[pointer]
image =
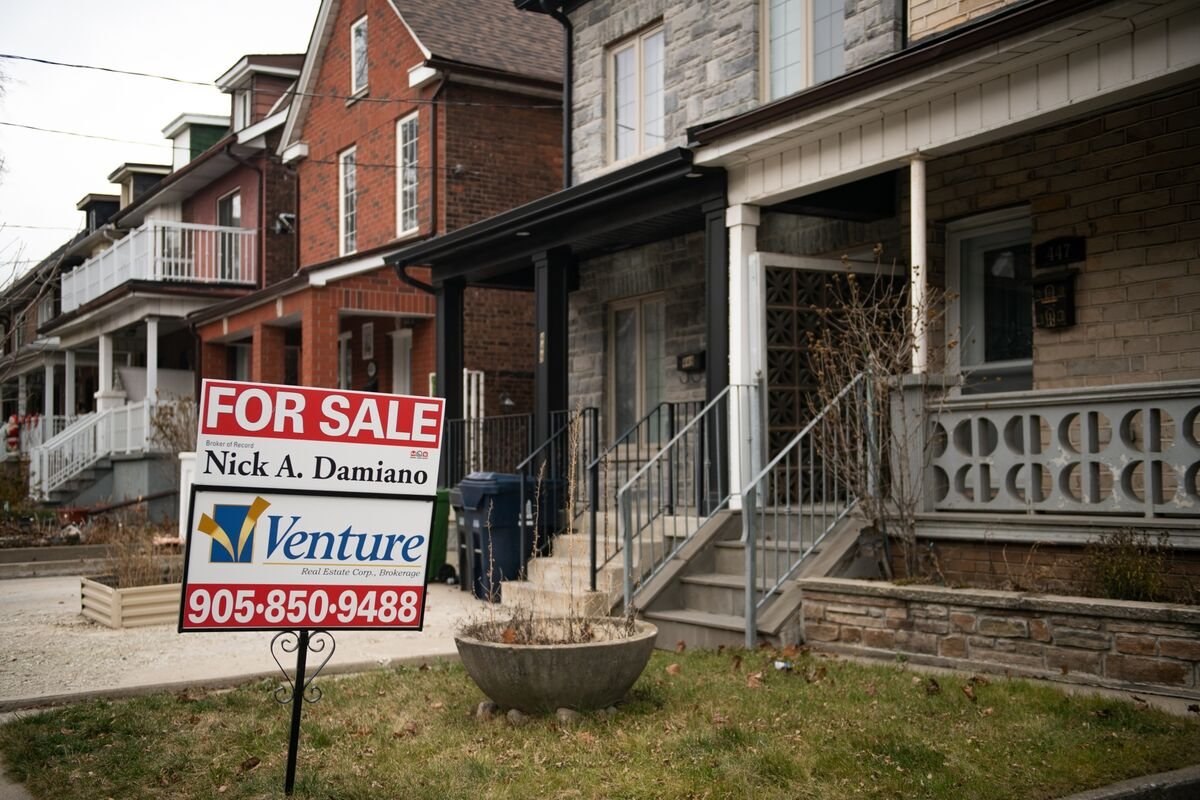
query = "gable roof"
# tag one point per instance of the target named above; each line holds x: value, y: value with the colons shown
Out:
x: 485, y: 34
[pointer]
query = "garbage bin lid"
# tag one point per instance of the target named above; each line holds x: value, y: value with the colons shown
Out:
x: 478, y: 485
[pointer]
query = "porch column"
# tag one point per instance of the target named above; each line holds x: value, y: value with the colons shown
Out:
x: 107, y: 397
x: 48, y: 394
x: 69, y: 385
x: 449, y: 333
x: 918, y: 260
x: 22, y: 400
x: 551, y: 303
x: 151, y: 359
x: 745, y: 351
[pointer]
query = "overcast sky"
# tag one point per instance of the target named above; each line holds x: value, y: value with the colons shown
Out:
x: 46, y: 174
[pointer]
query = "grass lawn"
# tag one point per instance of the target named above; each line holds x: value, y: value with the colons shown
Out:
x: 697, y: 724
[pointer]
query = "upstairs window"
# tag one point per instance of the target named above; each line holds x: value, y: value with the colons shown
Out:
x: 408, y: 175
x: 636, y: 71
x: 804, y: 43
x: 358, y: 56
x: 348, y: 201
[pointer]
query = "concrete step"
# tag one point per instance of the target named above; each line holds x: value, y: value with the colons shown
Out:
x: 771, y: 560
x: 697, y: 629
x: 560, y: 572
x: 550, y: 602
x: 717, y: 592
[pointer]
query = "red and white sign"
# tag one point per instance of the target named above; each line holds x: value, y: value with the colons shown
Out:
x: 312, y: 508
x: 317, y: 440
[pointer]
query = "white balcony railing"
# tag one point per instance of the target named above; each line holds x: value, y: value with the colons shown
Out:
x: 165, y: 251
x: 1121, y: 450
x: 37, y: 430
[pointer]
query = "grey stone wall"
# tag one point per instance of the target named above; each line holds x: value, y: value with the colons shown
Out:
x: 873, y: 29
x: 673, y: 267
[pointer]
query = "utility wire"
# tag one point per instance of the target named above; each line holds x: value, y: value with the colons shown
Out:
x: 363, y: 98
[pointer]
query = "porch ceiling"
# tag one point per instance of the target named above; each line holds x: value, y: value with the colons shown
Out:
x: 655, y: 199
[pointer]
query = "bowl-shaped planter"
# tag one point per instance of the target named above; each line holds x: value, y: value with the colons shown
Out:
x: 538, y: 678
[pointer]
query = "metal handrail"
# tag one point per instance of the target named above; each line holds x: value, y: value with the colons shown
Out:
x: 635, y: 435
x: 775, y: 482
x: 489, y: 443
x: 693, y: 463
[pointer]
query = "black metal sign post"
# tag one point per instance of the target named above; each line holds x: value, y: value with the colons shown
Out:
x: 299, y: 691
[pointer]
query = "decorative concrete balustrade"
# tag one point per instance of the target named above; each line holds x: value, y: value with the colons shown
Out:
x: 1124, y: 450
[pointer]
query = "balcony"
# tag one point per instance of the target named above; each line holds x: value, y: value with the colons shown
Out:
x: 170, y: 252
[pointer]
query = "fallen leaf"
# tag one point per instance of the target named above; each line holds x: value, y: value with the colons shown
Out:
x: 509, y: 636
x: 933, y: 687
x: 969, y: 692
x: 250, y: 763
x: 737, y: 663
x: 815, y: 675
x: 916, y: 681
x: 987, y: 712
x: 680, y: 646
x: 979, y: 680
x: 222, y: 789
x: 423, y: 668
x: 674, y: 669
x: 409, y: 729
x: 438, y: 706
x: 754, y: 680
x: 585, y: 737
x: 719, y: 719
x: 1102, y: 713
x: 1139, y: 701
x: 871, y: 690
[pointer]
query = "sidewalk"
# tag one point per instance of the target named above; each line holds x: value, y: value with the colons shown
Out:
x: 53, y: 654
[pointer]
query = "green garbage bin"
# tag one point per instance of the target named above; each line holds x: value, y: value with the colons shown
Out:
x: 437, y: 538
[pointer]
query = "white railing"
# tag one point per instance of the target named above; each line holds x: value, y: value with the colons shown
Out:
x: 37, y: 430
x: 165, y: 251
x: 92, y: 437
x: 1121, y: 450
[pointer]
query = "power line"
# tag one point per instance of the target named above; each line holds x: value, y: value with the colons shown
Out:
x: 360, y: 98
x: 4, y: 225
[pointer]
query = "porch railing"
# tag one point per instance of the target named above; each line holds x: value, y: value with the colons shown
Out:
x: 37, y: 430
x: 691, y: 470
x: 166, y: 251
x: 800, y: 495
x: 616, y: 465
x: 91, y: 438
x: 552, y: 476
x: 1123, y: 451
x: 496, y: 444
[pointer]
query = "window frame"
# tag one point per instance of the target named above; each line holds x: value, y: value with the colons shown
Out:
x: 402, y: 208
x: 636, y: 42
x: 638, y: 304
x: 807, y: 63
x: 344, y: 250
x: 355, y: 88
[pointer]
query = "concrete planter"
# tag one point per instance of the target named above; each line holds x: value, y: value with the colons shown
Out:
x: 129, y: 608
x: 540, y: 678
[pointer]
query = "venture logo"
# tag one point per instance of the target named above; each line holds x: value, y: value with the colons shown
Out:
x: 232, y: 531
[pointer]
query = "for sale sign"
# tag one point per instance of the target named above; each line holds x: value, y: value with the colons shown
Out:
x: 312, y: 508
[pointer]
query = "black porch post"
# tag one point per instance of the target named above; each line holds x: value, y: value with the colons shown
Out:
x: 449, y: 326
x: 716, y: 372
x: 551, y: 286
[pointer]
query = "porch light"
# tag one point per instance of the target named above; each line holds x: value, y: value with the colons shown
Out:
x: 522, y: 233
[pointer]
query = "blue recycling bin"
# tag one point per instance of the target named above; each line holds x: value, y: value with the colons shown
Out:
x: 491, y: 503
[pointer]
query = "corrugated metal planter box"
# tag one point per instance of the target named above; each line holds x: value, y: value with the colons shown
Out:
x: 129, y: 608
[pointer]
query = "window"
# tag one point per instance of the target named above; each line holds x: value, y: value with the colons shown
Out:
x: 804, y: 43
x: 345, y: 372
x: 229, y: 215
x: 407, y: 177
x: 637, y: 357
x: 636, y: 70
x: 992, y: 320
x: 348, y: 201
x: 358, y: 56
x: 241, y: 109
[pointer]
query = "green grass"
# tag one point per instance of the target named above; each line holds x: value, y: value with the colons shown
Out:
x: 828, y: 729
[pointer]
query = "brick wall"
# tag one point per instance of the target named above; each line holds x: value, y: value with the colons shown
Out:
x: 498, y: 338
x: 926, y: 17
x: 1140, y: 646
x: 673, y: 267
x: 201, y: 207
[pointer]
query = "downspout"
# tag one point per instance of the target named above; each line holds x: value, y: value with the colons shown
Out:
x: 262, y: 206
x: 568, y: 81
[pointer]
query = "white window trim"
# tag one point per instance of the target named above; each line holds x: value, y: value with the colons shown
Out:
x: 349, y: 151
x: 345, y: 372
x: 225, y: 197
x: 401, y: 230
x: 635, y: 42
x: 1002, y: 221
x: 807, y: 63
x: 354, y: 87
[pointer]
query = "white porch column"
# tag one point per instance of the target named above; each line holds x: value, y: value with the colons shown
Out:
x: 48, y: 394
x: 69, y: 385
x: 22, y: 400
x: 107, y: 397
x: 918, y: 259
x: 745, y: 352
x: 151, y: 359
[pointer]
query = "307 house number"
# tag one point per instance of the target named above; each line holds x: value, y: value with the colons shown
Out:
x: 256, y: 606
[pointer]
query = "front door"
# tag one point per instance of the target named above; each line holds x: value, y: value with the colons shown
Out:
x: 638, y: 361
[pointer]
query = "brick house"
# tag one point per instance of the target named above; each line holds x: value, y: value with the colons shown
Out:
x: 719, y: 174
x: 402, y: 128
x: 202, y: 229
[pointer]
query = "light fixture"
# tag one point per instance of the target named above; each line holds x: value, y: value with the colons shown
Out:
x: 506, y: 401
x: 694, y: 174
x: 522, y: 233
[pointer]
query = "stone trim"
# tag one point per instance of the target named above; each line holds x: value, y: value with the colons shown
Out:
x: 1147, y: 647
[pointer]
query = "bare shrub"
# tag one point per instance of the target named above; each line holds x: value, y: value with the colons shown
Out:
x: 1127, y: 564
x: 143, y: 553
